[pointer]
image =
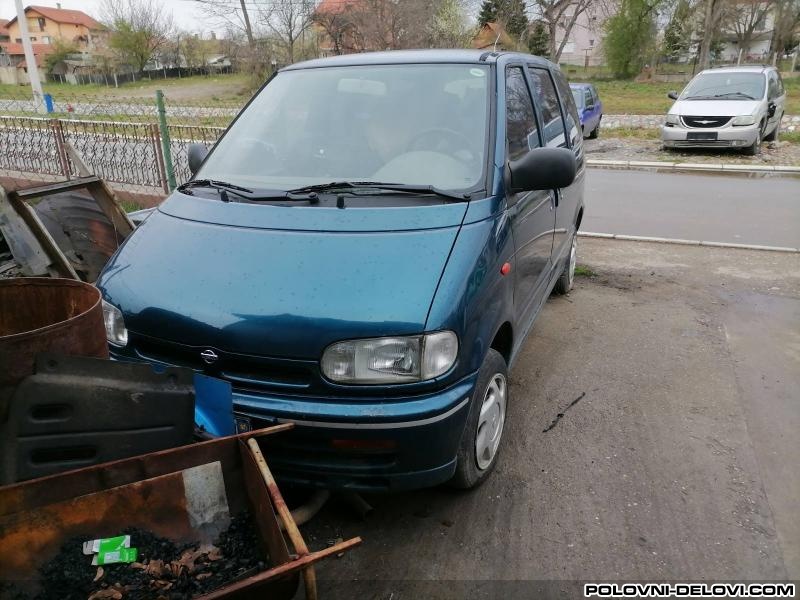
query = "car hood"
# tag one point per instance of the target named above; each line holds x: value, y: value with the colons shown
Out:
x: 280, y: 281
x: 714, y: 108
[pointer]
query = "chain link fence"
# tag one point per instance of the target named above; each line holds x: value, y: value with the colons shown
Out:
x: 122, y: 140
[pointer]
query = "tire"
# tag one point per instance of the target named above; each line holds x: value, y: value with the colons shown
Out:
x: 773, y: 137
x: 477, y: 455
x: 567, y: 277
x: 755, y: 147
x: 596, y: 131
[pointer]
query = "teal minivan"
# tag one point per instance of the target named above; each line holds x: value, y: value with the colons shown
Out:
x: 363, y: 253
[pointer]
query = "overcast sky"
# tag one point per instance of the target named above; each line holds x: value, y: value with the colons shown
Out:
x: 187, y: 15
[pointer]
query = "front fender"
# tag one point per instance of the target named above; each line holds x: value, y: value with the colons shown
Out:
x: 473, y: 298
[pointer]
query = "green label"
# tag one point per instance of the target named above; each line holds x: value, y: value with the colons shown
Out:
x: 121, y: 555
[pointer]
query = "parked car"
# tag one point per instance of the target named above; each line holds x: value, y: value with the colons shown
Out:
x: 590, y: 108
x: 362, y: 253
x: 731, y: 107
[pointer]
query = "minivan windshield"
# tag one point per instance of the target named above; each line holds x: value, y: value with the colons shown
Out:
x: 726, y: 86
x: 415, y: 124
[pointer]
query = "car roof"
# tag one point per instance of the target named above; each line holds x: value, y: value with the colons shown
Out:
x: 739, y: 69
x: 580, y: 85
x: 394, y: 57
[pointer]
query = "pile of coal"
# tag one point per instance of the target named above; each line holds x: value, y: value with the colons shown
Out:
x: 164, y: 570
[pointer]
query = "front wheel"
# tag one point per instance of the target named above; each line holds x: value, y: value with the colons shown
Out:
x: 596, y: 131
x: 567, y: 277
x: 480, y: 442
x: 755, y: 147
x: 773, y: 137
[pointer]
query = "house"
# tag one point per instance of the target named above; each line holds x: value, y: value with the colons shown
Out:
x: 584, y: 46
x: 493, y: 36
x: 747, y: 29
x: 46, y: 25
x: 13, y: 66
x: 4, y: 35
x: 334, y: 22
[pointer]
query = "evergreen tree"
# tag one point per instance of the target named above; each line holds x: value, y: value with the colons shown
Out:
x: 510, y: 13
x: 488, y: 12
x: 678, y: 34
x: 539, y: 39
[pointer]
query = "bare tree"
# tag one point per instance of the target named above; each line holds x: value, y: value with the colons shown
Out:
x: 232, y: 14
x: 560, y: 14
x: 744, y: 19
x: 139, y: 29
x: 713, y: 11
x: 787, y: 21
x: 288, y: 20
x: 338, y: 26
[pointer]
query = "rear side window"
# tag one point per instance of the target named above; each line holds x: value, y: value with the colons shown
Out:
x: 547, y: 99
x: 521, y: 130
x: 570, y: 110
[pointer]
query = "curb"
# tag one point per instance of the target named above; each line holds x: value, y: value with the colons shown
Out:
x: 673, y: 166
x: 660, y: 240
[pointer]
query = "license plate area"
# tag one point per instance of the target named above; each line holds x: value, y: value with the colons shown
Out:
x: 702, y: 135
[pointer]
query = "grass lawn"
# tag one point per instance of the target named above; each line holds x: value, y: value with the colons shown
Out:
x: 629, y: 97
x: 201, y: 89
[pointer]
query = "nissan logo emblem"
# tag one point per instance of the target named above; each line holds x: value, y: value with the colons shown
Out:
x: 209, y: 356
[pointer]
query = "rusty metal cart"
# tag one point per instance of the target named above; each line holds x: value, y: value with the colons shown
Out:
x: 151, y: 492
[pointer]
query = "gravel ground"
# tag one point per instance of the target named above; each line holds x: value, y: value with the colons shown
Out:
x: 608, y: 147
x: 676, y: 464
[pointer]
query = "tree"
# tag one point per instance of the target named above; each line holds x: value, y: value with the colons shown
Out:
x: 553, y: 13
x: 743, y: 19
x: 509, y: 13
x: 232, y: 14
x: 288, y: 21
x: 787, y: 20
x: 629, y: 36
x: 448, y: 28
x: 713, y: 11
x: 538, y: 39
x: 61, y: 51
x: 139, y: 28
x: 678, y: 33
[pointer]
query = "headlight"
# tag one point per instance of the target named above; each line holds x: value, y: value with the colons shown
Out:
x: 116, y: 333
x: 391, y: 359
x: 672, y: 119
x: 744, y: 120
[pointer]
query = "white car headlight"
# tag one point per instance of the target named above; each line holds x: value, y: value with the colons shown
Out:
x: 744, y: 120
x: 116, y: 333
x: 672, y: 119
x: 391, y: 359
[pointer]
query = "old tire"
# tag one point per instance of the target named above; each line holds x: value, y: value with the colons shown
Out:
x: 596, y: 131
x: 567, y: 277
x: 755, y: 147
x: 480, y: 442
x: 773, y: 137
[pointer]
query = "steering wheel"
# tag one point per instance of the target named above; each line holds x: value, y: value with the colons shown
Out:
x: 447, y: 141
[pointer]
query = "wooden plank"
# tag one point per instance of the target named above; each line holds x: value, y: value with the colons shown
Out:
x: 60, y: 262
x: 25, y: 248
x: 55, y: 188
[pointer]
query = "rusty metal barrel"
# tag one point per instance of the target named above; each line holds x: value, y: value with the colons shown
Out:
x: 39, y: 314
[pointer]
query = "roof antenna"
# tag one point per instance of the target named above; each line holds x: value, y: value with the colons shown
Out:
x: 494, y: 48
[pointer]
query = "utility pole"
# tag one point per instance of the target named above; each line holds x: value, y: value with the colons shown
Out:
x: 247, y: 26
x: 30, y: 59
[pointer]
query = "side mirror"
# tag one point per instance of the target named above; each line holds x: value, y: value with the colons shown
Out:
x: 672, y: 95
x: 196, y: 153
x: 543, y: 169
x: 771, y: 108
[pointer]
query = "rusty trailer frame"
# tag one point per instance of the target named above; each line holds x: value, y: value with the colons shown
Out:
x: 38, y: 516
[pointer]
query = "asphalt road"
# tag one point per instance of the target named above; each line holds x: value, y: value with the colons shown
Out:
x: 713, y: 208
x: 680, y: 463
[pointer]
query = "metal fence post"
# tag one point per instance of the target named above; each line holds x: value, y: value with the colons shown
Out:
x: 165, y: 141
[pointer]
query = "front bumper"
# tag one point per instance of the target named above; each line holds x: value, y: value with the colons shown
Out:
x: 366, y: 444
x: 727, y: 137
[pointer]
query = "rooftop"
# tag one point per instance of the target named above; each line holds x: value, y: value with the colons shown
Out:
x: 64, y: 16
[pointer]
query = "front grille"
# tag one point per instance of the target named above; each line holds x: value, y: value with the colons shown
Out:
x: 705, y: 122
x: 245, y: 372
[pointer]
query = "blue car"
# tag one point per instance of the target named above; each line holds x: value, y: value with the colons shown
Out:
x: 362, y: 254
x: 590, y: 108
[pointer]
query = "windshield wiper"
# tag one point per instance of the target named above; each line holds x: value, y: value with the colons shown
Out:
x: 406, y: 188
x: 223, y: 187
x: 220, y: 186
x: 742, y: 94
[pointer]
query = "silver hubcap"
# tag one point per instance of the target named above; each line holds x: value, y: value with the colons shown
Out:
x: 490, y: 422
x: 573, y: 259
